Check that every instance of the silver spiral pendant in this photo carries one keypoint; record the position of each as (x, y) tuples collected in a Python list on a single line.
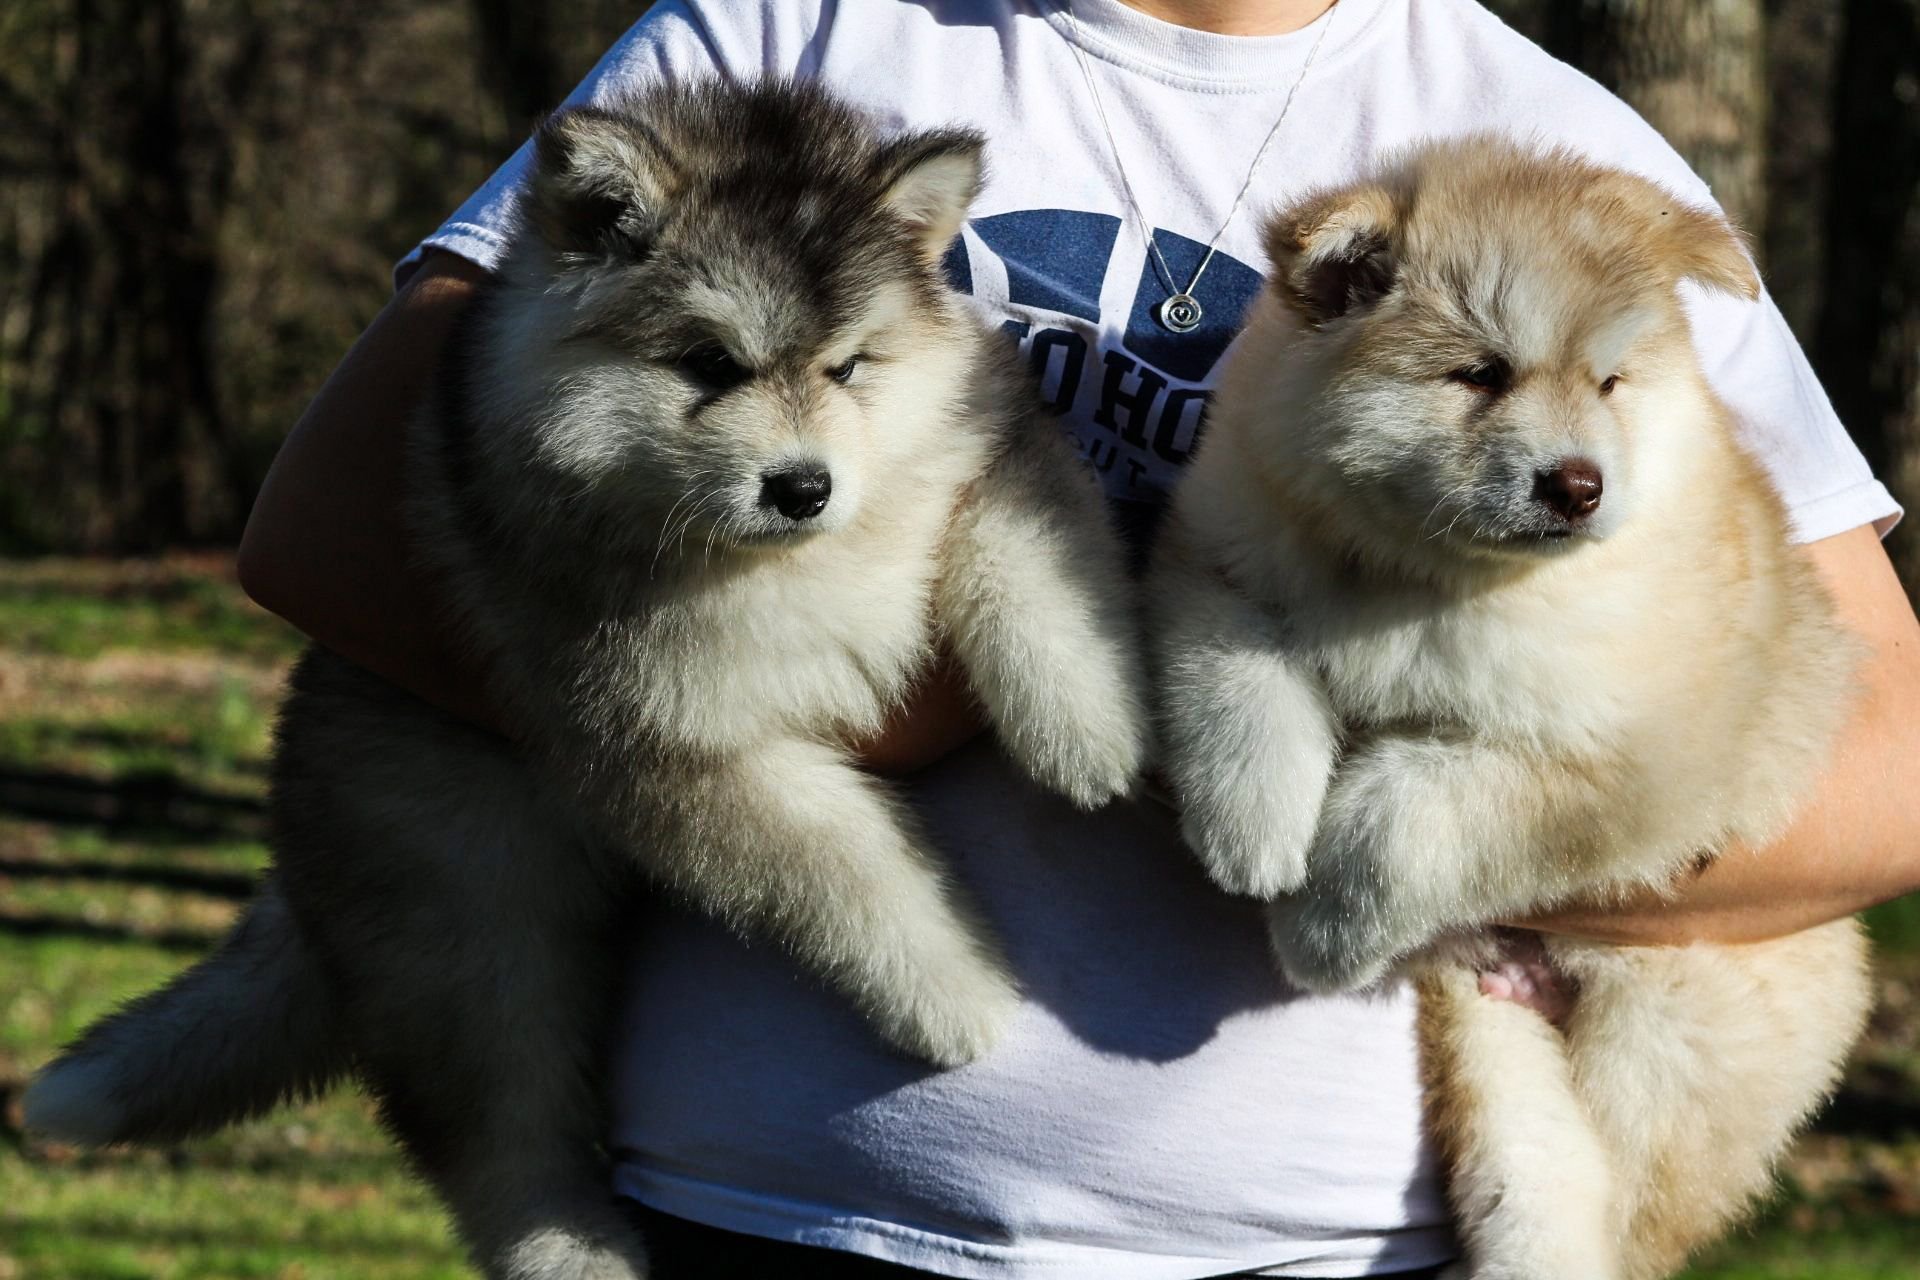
[(1181, 313)]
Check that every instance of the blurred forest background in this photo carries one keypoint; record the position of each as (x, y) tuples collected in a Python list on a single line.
[(202, 201), (199, 204), (202, 198)]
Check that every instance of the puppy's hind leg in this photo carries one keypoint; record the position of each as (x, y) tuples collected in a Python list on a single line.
[(478, 966), (1530, 1182), (790, 841), (1698, 1064), (492, 1082)]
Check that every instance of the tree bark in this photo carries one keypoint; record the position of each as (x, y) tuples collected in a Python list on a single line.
[(1868, 345), (1803, 38), (518, 61), (1696, 69), (116, 354)]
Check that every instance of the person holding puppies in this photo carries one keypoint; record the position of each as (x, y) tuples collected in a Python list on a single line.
[(1164, 1106)]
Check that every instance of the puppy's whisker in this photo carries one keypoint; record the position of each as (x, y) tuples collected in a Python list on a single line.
[(1442, 501), (672, 531), (666, 532), (1462, 514), (698, 511)]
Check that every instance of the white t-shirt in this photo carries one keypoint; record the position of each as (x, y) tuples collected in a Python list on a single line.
[(1164, 1107)]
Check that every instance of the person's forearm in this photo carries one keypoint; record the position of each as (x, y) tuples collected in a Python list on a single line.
[(1856, 841), (940, 717), (325, 546)]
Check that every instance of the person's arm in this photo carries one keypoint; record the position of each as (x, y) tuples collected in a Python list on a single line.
[(1856, 842), (325, 546), (940, 716)]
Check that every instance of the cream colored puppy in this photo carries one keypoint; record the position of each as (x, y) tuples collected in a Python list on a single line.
[(1471, 604)]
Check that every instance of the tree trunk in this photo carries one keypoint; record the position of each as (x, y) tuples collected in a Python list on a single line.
[(1803, 38), (518, 61), (115, 356), (1868, 346), (1696, 69)]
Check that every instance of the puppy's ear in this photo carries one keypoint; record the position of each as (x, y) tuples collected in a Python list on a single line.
[(1688, 242), (1334, 254), (1707, 249), (929, 180), (599, 180)]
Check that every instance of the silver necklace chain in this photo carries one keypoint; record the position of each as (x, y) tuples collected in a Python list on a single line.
[(1181, 312)]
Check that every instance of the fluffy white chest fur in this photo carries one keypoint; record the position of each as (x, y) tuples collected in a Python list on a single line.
[(823, 635)]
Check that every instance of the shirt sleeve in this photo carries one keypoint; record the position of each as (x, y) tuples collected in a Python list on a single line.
[(1783, 415), (676, 40)]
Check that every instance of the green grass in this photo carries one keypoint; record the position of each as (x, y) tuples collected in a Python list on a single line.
[(1873, 1248), (308, 1214), (81, 609), (152, 685), (1896, 926), (203, 735)]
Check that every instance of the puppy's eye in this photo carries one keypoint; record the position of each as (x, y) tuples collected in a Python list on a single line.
[(1607, 385), (1490, 376), (844, 370), (713, 367)]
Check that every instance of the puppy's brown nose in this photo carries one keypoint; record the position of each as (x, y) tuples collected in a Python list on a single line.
[(1572, 489)]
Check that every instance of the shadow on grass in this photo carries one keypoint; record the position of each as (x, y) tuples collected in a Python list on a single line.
[(100, 1229), (156, 804), (42, 925), (213, 884), (129, 741), (1877, 1105), (326, 1171)]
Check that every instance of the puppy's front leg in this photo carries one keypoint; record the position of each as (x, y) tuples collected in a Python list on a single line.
[(1425, 835), (1248, 740), (788, 840), (1035, 602)]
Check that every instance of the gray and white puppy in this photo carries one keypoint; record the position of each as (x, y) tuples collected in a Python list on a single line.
[(1471, 603), (721, 462)]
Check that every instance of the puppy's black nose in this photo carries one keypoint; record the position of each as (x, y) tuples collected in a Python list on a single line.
[(799, 494), (1572, 489)]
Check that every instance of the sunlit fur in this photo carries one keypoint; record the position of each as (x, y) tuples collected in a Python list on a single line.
[(682, 665), (1402, 697)]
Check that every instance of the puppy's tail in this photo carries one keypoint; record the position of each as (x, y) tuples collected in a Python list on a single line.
[(248, 1027)]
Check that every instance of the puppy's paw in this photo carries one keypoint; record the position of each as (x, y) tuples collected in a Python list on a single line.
[(1091, 753), (1252, 837), (554, 1253), (1384, 869), (1240, 861), (953, 1021), (1325, 947)]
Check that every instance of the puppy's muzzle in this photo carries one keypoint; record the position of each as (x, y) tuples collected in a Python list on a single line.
[(799, 493)]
